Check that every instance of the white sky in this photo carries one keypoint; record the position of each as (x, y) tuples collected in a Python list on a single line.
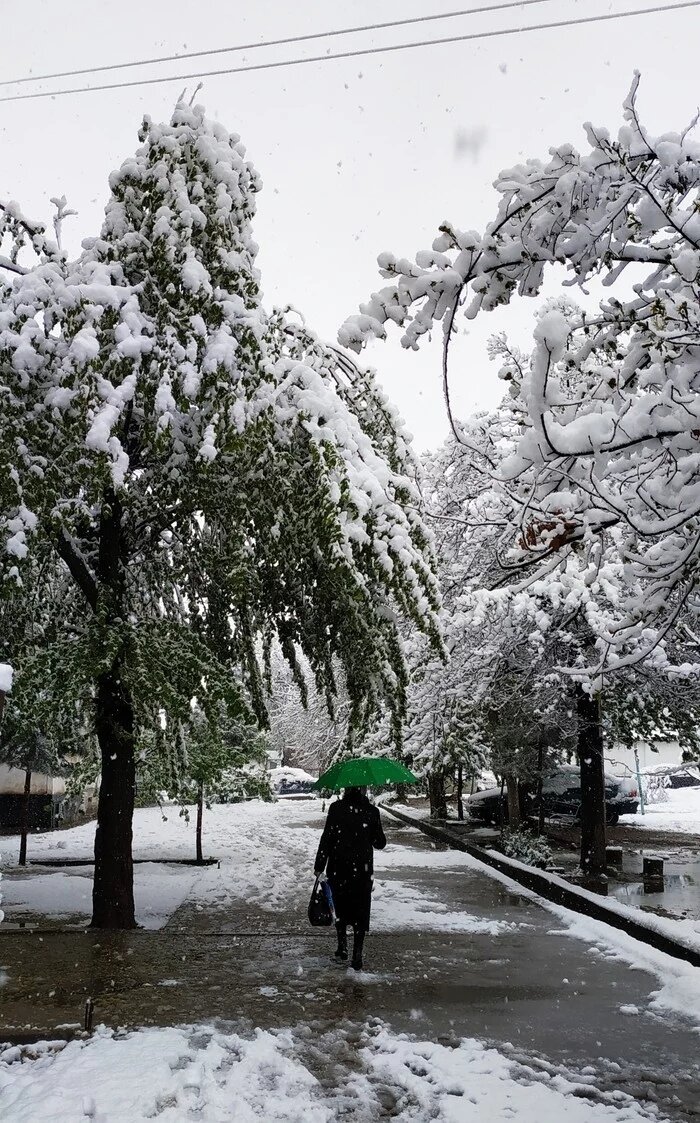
[(357, 156)]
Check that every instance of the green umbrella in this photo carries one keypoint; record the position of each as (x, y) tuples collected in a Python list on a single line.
[(363, 772)]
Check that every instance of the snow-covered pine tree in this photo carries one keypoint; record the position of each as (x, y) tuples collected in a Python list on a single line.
[(201, 481)]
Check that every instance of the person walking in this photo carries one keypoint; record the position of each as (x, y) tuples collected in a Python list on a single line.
[(352, 832)]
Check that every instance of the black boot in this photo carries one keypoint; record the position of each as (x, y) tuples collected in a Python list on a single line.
[(341, 952), (358, 941)]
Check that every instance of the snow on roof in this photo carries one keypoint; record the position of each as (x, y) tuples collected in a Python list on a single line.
[(285, 773)]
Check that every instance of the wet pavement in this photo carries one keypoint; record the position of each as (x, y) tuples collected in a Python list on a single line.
[(530, 990), (677, 898)]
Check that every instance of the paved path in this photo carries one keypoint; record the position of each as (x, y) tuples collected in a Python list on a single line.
[(519, 980)]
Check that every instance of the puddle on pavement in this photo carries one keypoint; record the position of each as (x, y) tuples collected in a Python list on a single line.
[(679, 898)]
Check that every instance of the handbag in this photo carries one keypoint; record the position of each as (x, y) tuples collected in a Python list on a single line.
[(321, 911)]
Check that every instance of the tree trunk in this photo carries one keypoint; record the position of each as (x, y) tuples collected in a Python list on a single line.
[(24, 822), (113, 888), (200, 808), (402, 792), (436, 792), (513, 795), (540, 784), (590, 756), (460, 788)]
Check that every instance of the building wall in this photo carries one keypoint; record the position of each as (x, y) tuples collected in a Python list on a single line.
[(12, 782), (620, 762)]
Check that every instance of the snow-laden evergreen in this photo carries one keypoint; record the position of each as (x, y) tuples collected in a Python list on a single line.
[(209, 475)]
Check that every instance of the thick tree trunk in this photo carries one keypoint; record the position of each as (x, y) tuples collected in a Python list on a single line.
[(113, 888), (590, 755), (200, 808), (436, 792), (513, 795), (24, 822), (460, 789), (402, 792)]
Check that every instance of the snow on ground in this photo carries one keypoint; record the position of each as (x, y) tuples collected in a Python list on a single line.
[(679, 990), (399, 906), (679, 812), (266, 851), (262, 847), (213, 1076), (67, 893)]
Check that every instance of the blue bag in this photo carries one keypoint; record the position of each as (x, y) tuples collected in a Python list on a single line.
[(321, 910)]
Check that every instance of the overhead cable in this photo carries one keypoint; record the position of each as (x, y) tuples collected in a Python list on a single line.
[(360, 52), (271, 42)]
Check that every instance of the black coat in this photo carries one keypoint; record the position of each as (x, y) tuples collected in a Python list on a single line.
[(352, 832)]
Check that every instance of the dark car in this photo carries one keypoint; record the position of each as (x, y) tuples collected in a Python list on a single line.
[(287, 788), (292, 783), (561, 796), (684, 777)]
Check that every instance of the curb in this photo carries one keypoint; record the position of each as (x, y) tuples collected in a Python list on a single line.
[(565, 895), (56, 862)]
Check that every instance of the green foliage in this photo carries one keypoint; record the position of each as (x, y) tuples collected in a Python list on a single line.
[(226, 759), (527, 847), (185, 478)]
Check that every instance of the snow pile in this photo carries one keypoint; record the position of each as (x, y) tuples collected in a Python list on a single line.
[(475, 1084), (199, 1072), (172, 1074)]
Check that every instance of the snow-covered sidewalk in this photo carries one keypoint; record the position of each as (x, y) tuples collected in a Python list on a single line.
[(478, 1003)]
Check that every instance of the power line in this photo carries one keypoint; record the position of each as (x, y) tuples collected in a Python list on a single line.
[(366, 51), (272, 42)]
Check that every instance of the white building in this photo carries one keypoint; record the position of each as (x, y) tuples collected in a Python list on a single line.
[(620, 761), (12, 782), (48, 805)]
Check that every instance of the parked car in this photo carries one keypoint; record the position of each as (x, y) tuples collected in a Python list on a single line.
[(292, 783), (561, 796), (675, 777)]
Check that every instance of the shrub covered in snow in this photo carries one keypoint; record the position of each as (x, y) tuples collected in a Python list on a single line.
[(526, 847)]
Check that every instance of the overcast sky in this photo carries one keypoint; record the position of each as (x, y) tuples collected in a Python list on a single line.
[(357, 156)]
